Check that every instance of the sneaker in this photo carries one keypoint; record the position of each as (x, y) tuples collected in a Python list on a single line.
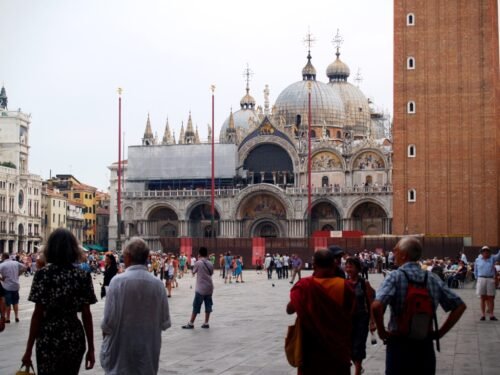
[(205, 325), (188, 326), (494, 319), (482, 318)]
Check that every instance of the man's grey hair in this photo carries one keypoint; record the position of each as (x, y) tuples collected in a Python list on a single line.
[(412, 246), (138, 250)]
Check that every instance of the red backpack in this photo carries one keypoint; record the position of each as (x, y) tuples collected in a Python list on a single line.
[(415, 321)]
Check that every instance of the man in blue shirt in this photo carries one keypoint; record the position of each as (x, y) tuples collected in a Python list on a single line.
[(484, 271), (403, 354)]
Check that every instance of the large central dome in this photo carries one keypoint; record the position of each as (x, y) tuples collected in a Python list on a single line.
[(326, 104)]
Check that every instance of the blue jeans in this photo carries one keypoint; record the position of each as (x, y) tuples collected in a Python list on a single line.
[(410, 357)]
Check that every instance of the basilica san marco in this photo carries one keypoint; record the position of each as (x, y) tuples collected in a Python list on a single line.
[(262, 166)]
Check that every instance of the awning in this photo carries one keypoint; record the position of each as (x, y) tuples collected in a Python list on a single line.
[(95, 247)]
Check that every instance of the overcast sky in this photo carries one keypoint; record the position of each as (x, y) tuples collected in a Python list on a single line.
[(62, 61)]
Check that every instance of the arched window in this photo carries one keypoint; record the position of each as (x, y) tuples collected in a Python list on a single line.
[(313, 133), (410, 63), (324, 181), (412, 195), (328, 133), (339, 134), (412, 151), (410, 19), (411, 107)]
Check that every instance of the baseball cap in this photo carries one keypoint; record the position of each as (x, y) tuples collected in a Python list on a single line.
[(485, 248), (336, 250)]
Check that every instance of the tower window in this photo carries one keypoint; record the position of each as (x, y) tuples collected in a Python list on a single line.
[(410, 19), (411, 107), (410, 63), (412, 151), (412, 195)]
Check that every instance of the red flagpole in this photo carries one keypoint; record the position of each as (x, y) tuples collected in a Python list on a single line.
[(309, 154), (119, 173), (212, 208)]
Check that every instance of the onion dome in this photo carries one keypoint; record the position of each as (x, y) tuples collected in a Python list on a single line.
[(326, 104), (309, 71), (338, 71), (356, 108), (240, 121), (247, 102)]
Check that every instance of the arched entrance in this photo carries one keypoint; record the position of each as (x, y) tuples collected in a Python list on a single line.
[(324, 216), (200, 221), (163, 222), (266, 229), (261, 215), (369, 217)]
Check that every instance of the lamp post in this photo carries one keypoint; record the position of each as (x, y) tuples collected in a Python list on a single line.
[(212, 208), (119, 173)]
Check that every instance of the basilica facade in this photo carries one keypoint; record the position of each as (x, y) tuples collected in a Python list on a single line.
[(261, 169)]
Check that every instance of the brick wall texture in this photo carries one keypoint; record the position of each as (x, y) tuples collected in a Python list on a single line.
[(456, 124)]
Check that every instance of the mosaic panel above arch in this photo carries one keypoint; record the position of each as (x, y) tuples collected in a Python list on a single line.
[(162, 213), (369, 160), (262, 204), (326, 161)]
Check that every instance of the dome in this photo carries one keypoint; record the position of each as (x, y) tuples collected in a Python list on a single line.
[(338, 70), (247, 101), (326, 104), (356, 106), (243, 120)]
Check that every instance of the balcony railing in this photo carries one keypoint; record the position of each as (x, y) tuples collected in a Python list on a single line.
[(331, 190)]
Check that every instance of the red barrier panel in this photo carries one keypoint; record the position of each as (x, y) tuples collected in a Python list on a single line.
[(258, 249)]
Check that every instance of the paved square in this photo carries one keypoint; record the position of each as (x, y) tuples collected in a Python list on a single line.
[(247, 331)]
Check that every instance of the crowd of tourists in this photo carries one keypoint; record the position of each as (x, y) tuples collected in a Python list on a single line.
[(336, 307)]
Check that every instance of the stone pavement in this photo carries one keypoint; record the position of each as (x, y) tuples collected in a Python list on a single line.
[(247, 331)]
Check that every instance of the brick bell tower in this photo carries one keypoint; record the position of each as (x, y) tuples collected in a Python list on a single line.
[(447, 119)]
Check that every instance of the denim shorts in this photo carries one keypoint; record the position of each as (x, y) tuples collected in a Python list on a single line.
[(198, 300), (11, 298)]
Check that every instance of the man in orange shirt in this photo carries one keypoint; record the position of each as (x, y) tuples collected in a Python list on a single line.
[(324, 303)]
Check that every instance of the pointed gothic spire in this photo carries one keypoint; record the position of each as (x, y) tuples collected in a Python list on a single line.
[(209, 133), (167, 137), (196, 136), (3, 98), (181, 134), (148, 134), (189, 136)]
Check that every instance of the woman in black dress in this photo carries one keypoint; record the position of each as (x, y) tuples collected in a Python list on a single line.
[(110, 270), (361, 318), (60, 291)]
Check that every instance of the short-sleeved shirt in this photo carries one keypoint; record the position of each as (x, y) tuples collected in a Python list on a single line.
[(10, 269), (204, 271), (486, 267), (393, 291), (62, 290)]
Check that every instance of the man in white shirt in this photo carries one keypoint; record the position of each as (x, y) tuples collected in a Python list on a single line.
[(135, 313), (9, 276)]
